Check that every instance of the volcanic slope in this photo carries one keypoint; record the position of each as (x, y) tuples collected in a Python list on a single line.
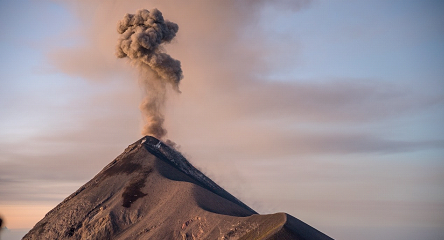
[(151, 191)]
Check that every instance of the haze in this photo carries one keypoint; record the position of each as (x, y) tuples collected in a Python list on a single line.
[(330, 111)]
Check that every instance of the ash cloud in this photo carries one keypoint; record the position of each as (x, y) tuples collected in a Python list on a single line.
[(141, 38)]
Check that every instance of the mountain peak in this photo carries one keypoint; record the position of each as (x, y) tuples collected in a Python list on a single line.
[(151, 191), (175, 158)]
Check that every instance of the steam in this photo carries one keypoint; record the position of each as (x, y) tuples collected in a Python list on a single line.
[(141, 39)]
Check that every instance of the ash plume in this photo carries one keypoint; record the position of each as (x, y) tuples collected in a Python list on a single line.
[(141, 38)]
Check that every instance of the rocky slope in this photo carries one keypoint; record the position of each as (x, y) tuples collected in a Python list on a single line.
[(151, 191)]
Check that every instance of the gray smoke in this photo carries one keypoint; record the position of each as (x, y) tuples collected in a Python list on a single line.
[(141, 39)]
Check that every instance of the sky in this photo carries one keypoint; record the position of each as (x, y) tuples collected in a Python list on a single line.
[(331, 111)]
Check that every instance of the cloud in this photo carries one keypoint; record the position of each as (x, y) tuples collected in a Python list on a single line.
[(352, 100), (87, 63), (225, 99)]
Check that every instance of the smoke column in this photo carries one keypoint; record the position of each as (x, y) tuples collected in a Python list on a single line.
[(141, 38)]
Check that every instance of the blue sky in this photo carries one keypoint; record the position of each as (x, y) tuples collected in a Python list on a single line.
[(331, 111)]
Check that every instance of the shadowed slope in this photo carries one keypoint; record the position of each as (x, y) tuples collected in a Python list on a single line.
[(151, 192)]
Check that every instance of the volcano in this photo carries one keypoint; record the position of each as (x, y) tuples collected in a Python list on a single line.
[(151, 191)]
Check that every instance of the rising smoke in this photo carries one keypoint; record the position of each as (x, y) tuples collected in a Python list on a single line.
[(141, 38)]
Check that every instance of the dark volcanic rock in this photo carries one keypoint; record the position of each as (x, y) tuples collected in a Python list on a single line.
[(151, 191)]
